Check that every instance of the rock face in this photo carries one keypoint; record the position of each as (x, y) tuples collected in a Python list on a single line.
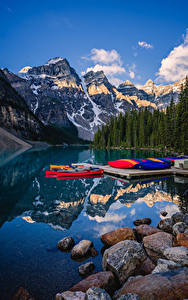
[(56, 95), (103, 280), (181, 240), (15, 114), (145, 230), (66, 243), (142, 221), (161, 286), (155, 244), (123, 259), (86, 268), (177, 254), (95, 293), (118, 235), (81, 249)]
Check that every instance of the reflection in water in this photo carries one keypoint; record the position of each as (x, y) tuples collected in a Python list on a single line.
[(35, 212)]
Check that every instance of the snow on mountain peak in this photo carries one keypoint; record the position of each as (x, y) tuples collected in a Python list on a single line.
[(54, 60), (25, 69)]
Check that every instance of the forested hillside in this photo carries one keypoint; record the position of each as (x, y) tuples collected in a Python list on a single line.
[(159, 129)]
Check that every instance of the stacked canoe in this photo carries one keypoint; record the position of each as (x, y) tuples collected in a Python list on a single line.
[(71, 172), (143, 163)]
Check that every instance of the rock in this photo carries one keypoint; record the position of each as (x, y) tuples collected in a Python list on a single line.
[(155, 244), (142, 221), (179, 227), (93, 252), (181, 240), (177, 254), (166, 225), (123, 259), (71, 296), (129, 296), (95, 293), (86, 268), (66, 243), (145, 230), (164, 265), (172, 285), (118, 235), (22, 294), (146, 267), (185, 219), (163, 213), (81, 249), (177, 217), (104, 280)]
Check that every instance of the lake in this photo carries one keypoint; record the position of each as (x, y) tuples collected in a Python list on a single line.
[(36, 212)]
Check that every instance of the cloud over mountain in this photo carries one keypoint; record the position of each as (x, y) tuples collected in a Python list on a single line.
[(175, 66), (145, 45)]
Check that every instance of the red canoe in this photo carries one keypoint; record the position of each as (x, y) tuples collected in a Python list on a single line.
[(74, 174)]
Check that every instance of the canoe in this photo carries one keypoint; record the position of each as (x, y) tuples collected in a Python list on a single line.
[(125, 163), (152, 166), (74, 173), (145, 164)]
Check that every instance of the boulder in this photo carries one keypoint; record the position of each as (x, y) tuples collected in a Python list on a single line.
[(86, 268), (81, 249), (181, 240), (177, 217), (71, 296), (22, 294), (164, 265), (177, 254), (123, 259), (185, 219), (66, 243), (146, 267), (118, 235), (166, 225), (155, 244), (179, 227), (163, 213), (104, 280), (142, 221), (171, 285), (95, 293), (145, 230), (129, 296)]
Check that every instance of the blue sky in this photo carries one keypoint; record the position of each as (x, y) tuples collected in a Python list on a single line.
[(134, 40)]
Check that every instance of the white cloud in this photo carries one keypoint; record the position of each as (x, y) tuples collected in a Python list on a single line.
[(132, 71), (115, 81), (108, 70), (131, 74), (175, 66), (104, 56), (145, 45)]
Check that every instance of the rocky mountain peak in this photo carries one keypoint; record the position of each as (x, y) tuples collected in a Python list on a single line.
[(96, 78), (24, 69), (149, 82), (55, 60), (127, 82)]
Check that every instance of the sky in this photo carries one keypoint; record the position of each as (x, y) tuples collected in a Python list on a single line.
[(128, 40)]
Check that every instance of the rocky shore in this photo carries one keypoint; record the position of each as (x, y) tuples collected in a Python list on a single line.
[(144, 262)]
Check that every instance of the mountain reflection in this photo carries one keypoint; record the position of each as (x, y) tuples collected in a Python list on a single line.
[(26, 192)]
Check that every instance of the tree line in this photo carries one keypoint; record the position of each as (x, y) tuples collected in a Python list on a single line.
[(149, 129)]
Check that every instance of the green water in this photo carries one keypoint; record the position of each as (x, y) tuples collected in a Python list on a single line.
[(36, 212)]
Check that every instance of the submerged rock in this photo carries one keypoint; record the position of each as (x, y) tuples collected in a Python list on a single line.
[(123, 259), (81, 249), (142, 221), (155, 244), (71, 296), (104, 280), (66, 243), (145, 230), (177, 254), (96, 293), (163, 213), (166, 225), (181, 240), (159, 286), (22, 294), (86, 268), (118, 235)]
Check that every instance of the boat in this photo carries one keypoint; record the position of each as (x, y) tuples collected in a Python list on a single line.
[(125, 163), (76, 172), (145, 164)]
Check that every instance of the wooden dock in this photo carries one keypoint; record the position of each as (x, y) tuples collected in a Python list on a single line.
[(135, 173)]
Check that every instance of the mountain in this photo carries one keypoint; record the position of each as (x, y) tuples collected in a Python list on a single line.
[(15, 114), (58, 97)]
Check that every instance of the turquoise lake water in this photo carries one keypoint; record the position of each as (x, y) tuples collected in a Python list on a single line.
[(36, 212)]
